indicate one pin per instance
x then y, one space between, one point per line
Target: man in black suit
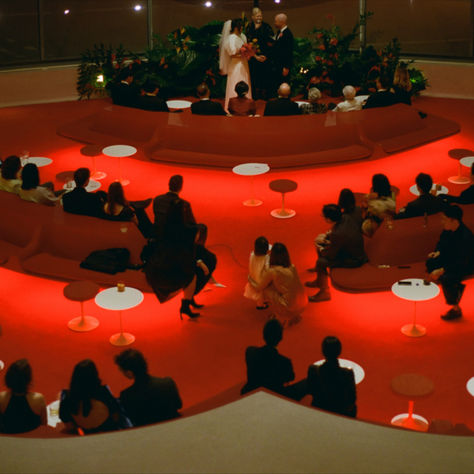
332 387
283 105
149 399
282 51
265 366
149 100
161 205
79 201
426 203
452 259
122 92
206 106
342 246
383 97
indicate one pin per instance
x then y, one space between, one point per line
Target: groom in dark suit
282 54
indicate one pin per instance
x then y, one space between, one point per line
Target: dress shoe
313 284
141 204
452 314
321 295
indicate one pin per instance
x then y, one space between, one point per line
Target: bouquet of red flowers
247 51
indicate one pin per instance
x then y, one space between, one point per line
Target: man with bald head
283 105
282 54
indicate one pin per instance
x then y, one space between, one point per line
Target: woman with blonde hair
402 85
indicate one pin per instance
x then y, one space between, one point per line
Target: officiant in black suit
260 66
282 51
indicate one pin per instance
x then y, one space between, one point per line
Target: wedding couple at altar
272 59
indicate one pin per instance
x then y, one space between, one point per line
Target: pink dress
238 69
257 264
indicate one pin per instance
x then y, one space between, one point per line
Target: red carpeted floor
206 356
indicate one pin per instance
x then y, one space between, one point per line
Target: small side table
458 154
359 373
442 190
178 104
467 161
411 386
39 161
414 289
120 151
116 300
251 169
283 186
93 151
90 188
470 386
82 291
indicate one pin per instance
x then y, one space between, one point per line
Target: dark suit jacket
161 205
152 103
151 400
79 201
281 106
242 106
267 368
425 203
346 245
333 388
380 99
282 53
123 94
467 196
207 107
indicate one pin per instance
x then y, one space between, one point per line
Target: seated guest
281 286
348 206
314 107
350 103
242 105
117 208
162 203
341 246
380 205
402 85
10 175
79 201
122 92
283 105
149 399
20 409
383 97
452 260
259 260
426 203
88 406
206 106
466 196
149 99
32 191
332 386
266 367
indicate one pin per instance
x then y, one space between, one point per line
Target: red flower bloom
318 58
319 35
334 41
322 47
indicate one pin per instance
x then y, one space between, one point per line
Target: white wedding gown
238 69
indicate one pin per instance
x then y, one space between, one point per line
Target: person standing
282 52
260 34
231 61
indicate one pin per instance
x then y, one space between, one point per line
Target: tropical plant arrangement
190 56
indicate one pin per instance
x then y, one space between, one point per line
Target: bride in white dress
231 61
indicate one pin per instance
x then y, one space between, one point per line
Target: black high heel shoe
185 309
194 304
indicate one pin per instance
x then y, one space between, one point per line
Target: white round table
39 161
443 190
467 161
120 151
470 386
178 104
251 169
92 186
414 289
115 300
359 373
460 179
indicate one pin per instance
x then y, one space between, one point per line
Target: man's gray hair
314 94
349 92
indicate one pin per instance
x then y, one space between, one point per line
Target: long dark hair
279 255
115 196
85 383
18 376
30 177
10 167
381 185
346 200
